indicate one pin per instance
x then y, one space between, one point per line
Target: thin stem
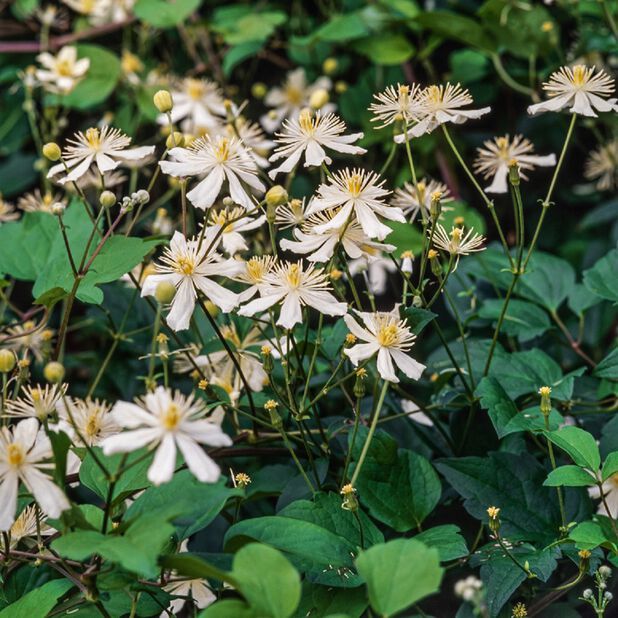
552 459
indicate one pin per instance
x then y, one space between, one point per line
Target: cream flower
253 273
107 148
309 134
29 524
355 192
415 414
387 335
198 103
7 211
457 243
293 96
168 422
439 105
321 245
294 286
610 491
23 451
496 155
234 222
218 160
417 199
252 136
189 266
89 418
36 401
61 73
400 104
377 270
291 214
38 202
184 589
602 166
27 336
583 88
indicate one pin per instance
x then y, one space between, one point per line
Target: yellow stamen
15 455
171 417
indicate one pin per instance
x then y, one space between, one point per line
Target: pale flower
355 192
39 202
294 286
61 73
376 270
217 160
184 589
415 414
198 105
252 136
496 155
400 104
29 337
30 523
23 452
107 148
189 266
610 492
36 401
390 337
602 166
440 105
7 211
253 273
291 214
88 419
168 422
457 243
309 134
321 245
417 199
234 223
583 88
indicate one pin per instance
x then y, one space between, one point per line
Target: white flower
36 401
457 243
88 418
189 267
355 192
602 165
23 450
496 155
417 199
252 136
7 212
377 270
168 422
38 202
195 589
61 73
26 336
309 134
291 214
294 286
610 491
234 222
291 98
415 414
105 147
255 269
219 159
198 103
399 104
29 524
442 104
387 335
583 88
321 245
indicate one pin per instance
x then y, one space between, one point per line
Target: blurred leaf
38 602
240 25
608 367
453 26
165 13
599 278
17 173
385 49
236 54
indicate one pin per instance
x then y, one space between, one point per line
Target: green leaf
598 279
269 583
608 367
590 534
385 49
228 608
405 237
523 319
38 602
399 487
195 567
342 28
499 406
458 209
398 574
579 445
580 299
17 173
60 446
100 80
247 26
453 26
418 318
569 476
165 13
238 53
610 465
446 539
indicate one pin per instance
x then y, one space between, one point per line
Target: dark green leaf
523 319
601 278
570 476
608 367
38 602
446 539
164 13
580 446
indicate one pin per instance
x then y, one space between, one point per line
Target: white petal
8 501
407 364
182 306
201 466
162 468
385 366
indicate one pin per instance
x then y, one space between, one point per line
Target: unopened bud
54 372
330 65
58 209
494 518
340 87
271 407
587 594
407 258
52 151
267 359
165 292
259 90
545 392
163 101
359 384
7 361
107 199
435 206
175 140
350 502
319 98
514 173
276 196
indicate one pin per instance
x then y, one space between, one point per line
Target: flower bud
340 87
7 361
23 367
52 151
608 596
494 518
514 173
319 98
276 196
584 559
242 480
259 90
359 384
107 199
165 292
605 571
545 392
350 502
58 209
407 258
587 594
142 196
435 206
54 372
330 65
271 407
163 101
267 359
175 140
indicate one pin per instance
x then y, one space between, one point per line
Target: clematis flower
399 104
36 401
377 269
168 421
106 148
89 418
61 73
496 155
252 136
232 237
218 160
189 266
602 166
39 202
417 199
291 214
457 243
440 105
7 211
30 523
384 334
24 451
294 286
309 134
355 192
583 88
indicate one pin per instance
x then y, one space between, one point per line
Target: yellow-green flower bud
54 372
165 292
435 206
330 65
275 419
52 151
514 173
545 393
267 359
276 196
259 90
163 101
7 361
340 87
350 502
359 384
175 140
318 98
107 199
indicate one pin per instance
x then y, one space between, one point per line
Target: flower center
456 234
255 269
503 148
579 75
93 426
434 95
15 455
307 122
195 89
355 184
171 417
64 68
294 95
222 151
93 137
230 334
420 192
294 276
387 335
185 266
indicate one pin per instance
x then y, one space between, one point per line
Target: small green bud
54 372
545 392
107 199
259 90
7 361
514 173
276 196
52 151
330 65
163 101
